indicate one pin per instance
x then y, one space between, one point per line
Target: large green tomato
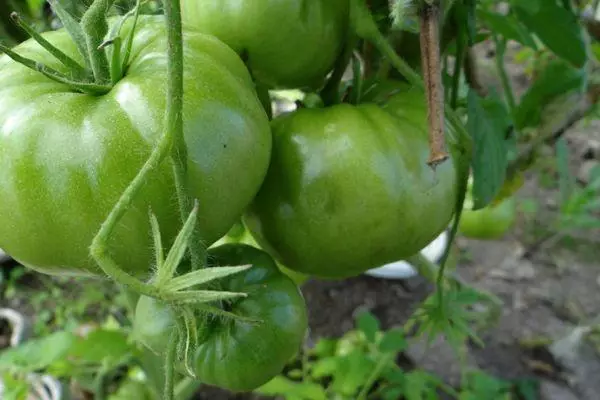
239 356
349 188
239 234
288 43
66 157
491 222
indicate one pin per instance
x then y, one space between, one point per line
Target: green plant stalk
169 390
84 87
175 123
330 93
73 29
172 130
505 81
461 51
383 361
74 66
95 27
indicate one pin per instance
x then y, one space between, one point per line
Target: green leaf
393 341
531 6
488 124
557 28
72 27
282 386
417 385
35 7
369 325
556 80
100 346
324 367
202 276
37 354
353 372
508 26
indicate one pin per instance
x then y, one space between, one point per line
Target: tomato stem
98 248
84 87
434 87
78 70
169 390
331 92
95 27
174 123
73 29
366 28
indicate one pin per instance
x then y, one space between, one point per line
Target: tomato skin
241 235
491 222
349 189
289 43
238 356
66 157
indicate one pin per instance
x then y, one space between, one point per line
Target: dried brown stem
434 89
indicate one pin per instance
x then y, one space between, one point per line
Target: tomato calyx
178 295
98 75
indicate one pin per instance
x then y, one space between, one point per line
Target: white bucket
404 270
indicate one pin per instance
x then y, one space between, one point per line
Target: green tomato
491 222
287 43
66 157
349 188
238 356
234 236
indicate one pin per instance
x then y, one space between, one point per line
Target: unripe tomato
236 355
349 188
287 43
66 157
491 222
239 234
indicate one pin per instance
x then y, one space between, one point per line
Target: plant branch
330 93
174 123
170 355
367 29
509 93
76 68
434 87
95 27
84 87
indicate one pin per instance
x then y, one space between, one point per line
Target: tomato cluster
328 192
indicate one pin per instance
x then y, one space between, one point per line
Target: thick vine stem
174 122
95 28
169 390
434 88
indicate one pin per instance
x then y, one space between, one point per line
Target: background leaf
557 28
488 124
